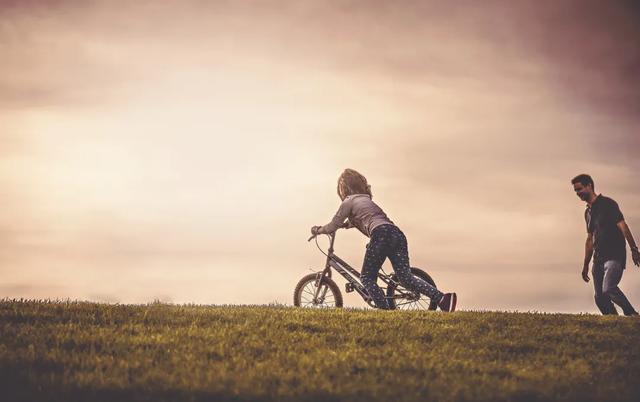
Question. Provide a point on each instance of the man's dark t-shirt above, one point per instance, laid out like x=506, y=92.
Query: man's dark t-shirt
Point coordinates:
x=602, y=219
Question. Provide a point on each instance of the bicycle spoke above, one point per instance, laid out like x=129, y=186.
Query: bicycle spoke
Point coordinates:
x=326, y=298
x=420, y=304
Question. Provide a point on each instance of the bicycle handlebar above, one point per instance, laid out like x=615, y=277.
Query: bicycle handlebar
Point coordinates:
x=328, y=234
x=345, y=225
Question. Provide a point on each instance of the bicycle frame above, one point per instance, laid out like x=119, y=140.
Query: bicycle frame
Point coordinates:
x=349, y=273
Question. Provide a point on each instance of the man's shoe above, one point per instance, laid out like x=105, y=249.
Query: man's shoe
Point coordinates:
x=448, y=302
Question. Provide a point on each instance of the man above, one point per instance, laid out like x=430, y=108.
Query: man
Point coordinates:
x=606, y=233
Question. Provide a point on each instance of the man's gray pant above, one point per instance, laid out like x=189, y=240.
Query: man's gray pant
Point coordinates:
x=606, y=277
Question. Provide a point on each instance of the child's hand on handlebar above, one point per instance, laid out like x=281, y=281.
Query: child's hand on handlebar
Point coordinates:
x=314, y=232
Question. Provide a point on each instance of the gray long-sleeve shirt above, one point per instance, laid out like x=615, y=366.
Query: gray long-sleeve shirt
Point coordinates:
x=362, y=213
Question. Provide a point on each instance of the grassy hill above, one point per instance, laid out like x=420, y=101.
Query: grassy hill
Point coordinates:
x=85, y=351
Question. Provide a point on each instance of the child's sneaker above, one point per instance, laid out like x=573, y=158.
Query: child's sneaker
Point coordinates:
x=448, y=302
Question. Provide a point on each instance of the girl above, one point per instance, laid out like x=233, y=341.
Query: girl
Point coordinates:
x=387, y=240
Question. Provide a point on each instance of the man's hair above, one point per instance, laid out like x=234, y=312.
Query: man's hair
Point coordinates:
x=351, y=182
x=583, y=179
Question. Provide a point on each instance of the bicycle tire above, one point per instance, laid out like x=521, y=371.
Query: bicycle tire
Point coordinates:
x=301, y=293
x=420, y=274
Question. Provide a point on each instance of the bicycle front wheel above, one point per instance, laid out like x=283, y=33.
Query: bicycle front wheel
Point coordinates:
x=404, y=299
x=329, y=295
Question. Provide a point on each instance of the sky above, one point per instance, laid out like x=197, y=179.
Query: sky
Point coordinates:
x=181, y=151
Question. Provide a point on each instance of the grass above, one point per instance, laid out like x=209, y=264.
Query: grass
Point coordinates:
x=68, y=351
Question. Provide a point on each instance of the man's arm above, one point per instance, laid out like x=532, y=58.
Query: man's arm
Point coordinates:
x=588, y=253
x=635, y=255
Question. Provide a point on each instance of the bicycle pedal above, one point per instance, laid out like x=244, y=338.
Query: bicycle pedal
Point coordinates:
x=348, y=287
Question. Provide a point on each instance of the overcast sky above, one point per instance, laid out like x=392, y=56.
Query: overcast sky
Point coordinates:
x=181, y=151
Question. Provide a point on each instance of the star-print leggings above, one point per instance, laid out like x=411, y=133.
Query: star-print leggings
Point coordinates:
x=389, y=241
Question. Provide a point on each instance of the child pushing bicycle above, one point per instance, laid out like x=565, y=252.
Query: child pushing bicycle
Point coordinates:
x=386, y=241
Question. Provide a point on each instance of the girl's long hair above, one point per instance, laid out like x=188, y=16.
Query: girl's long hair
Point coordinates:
x=351, y=182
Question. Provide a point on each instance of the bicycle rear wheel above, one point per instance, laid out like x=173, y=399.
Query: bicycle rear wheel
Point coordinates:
x=404, y=299
x=328, y=297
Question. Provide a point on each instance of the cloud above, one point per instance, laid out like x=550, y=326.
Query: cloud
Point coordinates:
x=187, y=146
x=31, y=291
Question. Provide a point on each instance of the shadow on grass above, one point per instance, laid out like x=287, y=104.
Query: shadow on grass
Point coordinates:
x=18, y=385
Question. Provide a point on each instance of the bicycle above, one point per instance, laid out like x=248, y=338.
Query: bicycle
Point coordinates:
x=320, y=291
